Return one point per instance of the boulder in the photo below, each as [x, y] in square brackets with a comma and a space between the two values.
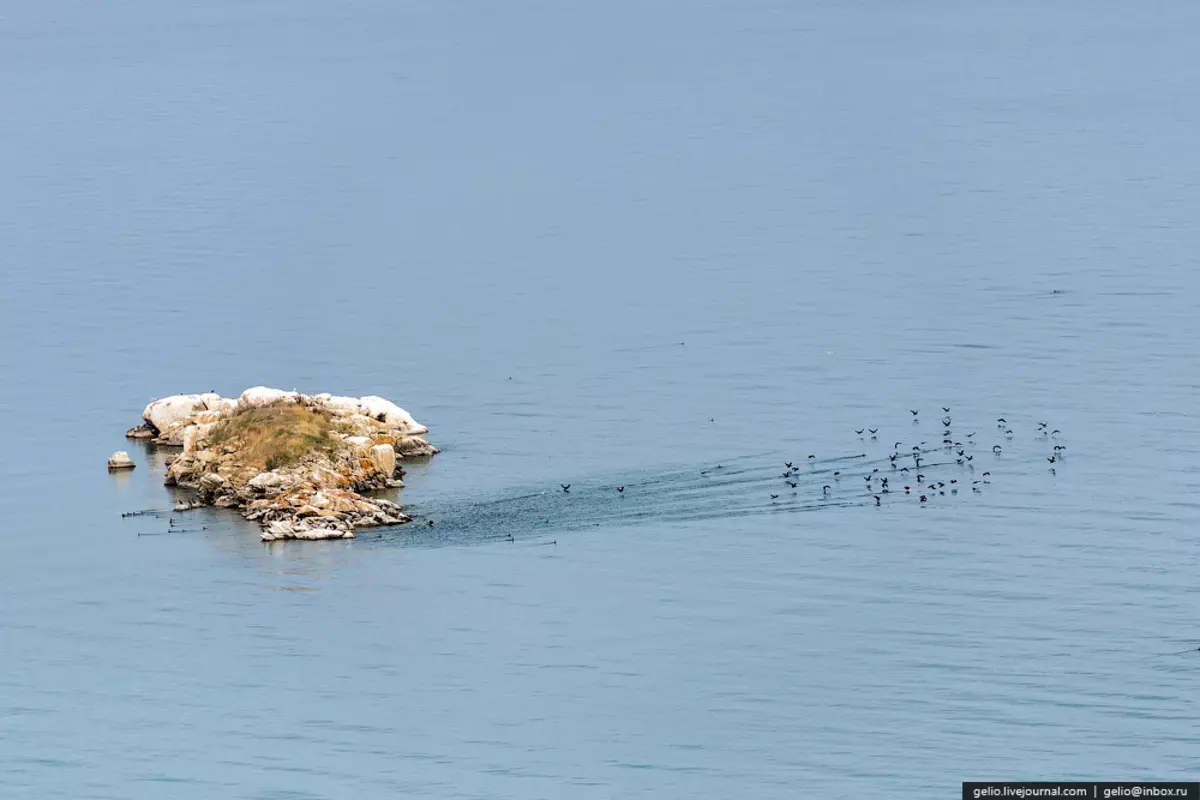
[120, 460]
[261, 396]
[192, 434]
[411, 446]
[339, 406]
[170, 411]
[211, 481]
[267, 480]
[142, 431]
[388, 412]
[362, 443]
[383, 458]
[280, 531]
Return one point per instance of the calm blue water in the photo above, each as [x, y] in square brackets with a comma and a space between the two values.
[507, 218]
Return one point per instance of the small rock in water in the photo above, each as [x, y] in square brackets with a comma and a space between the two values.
[140, 432]
[120, 460]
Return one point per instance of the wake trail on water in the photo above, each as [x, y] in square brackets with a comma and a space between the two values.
[744, 486]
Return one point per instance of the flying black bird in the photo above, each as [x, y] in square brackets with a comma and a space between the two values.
[920, 478]
[893, 457]
[945, 409]
[904, 469]
[1055, 432]
[1002, 419]
[791, 484]
[867, 478]
[774, 497]
[946, 421]
[873, 430]
[788, 464]
[859, 431]
[620, 488]
[906, 488]
[914, 413]
[995, 448]
[970, 458]
[883, 481]
[962, 452]
[1043, 425]
[812, 457]
[986, 474]
[958, 461]
[969, 435]
[923, 498]
[1051, 459]
[825, 489]
[565, 486]
[837, 472]
[876, 498]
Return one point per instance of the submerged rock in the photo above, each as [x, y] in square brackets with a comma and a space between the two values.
[295, 464]
[311, 534]
[120, 460]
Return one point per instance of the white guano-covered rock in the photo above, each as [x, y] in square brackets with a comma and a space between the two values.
[262, 395]
[340, 406]
[388, 412]
[170, 411]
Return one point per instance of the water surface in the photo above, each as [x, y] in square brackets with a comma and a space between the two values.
[606, 244]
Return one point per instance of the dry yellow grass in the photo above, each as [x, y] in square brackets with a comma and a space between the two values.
[277, 435]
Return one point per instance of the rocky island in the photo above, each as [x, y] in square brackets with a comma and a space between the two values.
[294, 463]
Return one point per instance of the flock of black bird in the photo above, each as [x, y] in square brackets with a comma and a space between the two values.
[937, 465]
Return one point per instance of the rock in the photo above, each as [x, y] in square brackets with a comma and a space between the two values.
[142, 431]
[383, 458]
[170, 411]
[391, 414]
[211, 482]
[363, 443]
[193, 434]
[412, 446]
[120, 460]
[278, 533]
[262, 396]
[340, 406]
[267, 480]
[311, 479]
